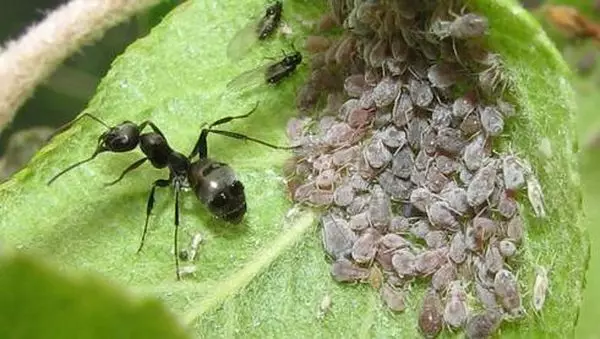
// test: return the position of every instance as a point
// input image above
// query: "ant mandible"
(214, 183)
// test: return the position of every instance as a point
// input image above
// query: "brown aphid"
(403, 262)
(359, 222)
(507, 248)
(354, 85)
(402, 163)
(486, 297)
(456, 310)
(398, 48)
(450, 140)
(493, 259)
(327, 22)
(491, 121)
(392, 298)
(339, 134)
(307, 97)
(440, 216)
(375, 277)
(343, 270)
(507, 206)
(376, 154)
(463, 106)
(457, 251)
(515, 228)
(337, 236)
(360, 117)
(426, 263)
(471, 124)
(316, 43)
(475, 153)
(430, 317)
(379, 209)
(386, 91)
(442, 277)
(365, 247)
(436, 239)
(420, 92)
(506, 288)
(345, 49)
(540, 288)
(482, 185)
(378, 54)
(442, 75)
(395, 187)
(483, 325)
(403, 110)
(343, 195)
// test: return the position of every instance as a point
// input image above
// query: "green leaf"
(38, 303)
(268, 277)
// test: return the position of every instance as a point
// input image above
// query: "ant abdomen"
(121, 138)
(156, 148)
(217, 187)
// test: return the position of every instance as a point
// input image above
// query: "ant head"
(121, 138)
(217, 187)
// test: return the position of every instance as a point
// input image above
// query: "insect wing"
(242, 41)
(251, 78)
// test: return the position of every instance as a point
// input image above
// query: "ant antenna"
(99, 150)
(72, 122)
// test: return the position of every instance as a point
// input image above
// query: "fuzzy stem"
(32, 58)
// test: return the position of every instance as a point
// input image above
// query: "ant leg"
(150, 206)
(245, 137)
(130, 168)
(176, 235)
(200, 147)
(72, 122)
(99, 150)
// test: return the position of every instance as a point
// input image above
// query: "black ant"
(214, 183)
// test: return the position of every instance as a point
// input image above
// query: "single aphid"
(394, 241)
(456, 197)
(354, 85)
(338, 238)
(468, 26)
(376, 154)
(450, 140)
(343, 270)
(326, 179)
(493, 259)
(358, 205)
(324, 306)
(365, 247)
(379, 208)
(360, 117)
(399, 224)
(512, 172)
(507, 206)
(482, 185)
(443, 277)
(255, 31)
(343, 195)
(506, 288)
(399, 48)
(515, 229)
(403, 262)
(540, 288)
(393, 137)
(421, 198)
(386, 91)
(535, 196)
(441, 117)
(423, 160)
(471, 124)
(347, 107)
(271, 73)
(428, 140)
(442, 75)
(427, 262)
(345, 49)
(440, 216)
(436, 239)
(340, 134)
(414, 133)
(463, 106)
(435, 179)
(475, 153)
(323, 162)
(456, 311)
(420, 229)
(398, 189)
(393, 299)
(359, 222)
(431, 320)
(403, 110)
(345, 156)
(486, 297)
(492, 121)
(507, 248)
(483, 325)
(457, 251)
(402, 163)
(420, 92)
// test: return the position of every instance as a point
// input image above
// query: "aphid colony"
(401, 159)
(214, 183)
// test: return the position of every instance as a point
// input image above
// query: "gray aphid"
(422, 198)
(321, 197)
(393, 299)
(436, 239)
(507, 206)
(423, 160)
(443, 276)
(491, 121)
(403, 262)
(507, 248)
(463, 106)
(458, 248)
(397, 188)
(440, 216)
(379, 211)
(515, 228)
(326, 179)
(386, 91)
(354, 85)
(420, 92)
(343, 195)
(468, 26)
(456, 197)
(475, 153)
(414, 132)
(359, 222)
(340, 134)
(376, 154)
(402, 163)
(323, 162)
(450, 140)
(347, 107)
(482, 185)
(445, 164)
(540, 288)
(506, 288)
(456, 311)
(483, 325)
(403, 110)
(399, 224)
(394, 241)
(345, 156)
(535, 196)
(512, 171)
(429, 140)
(420, 229)
(337, 236)
(435, 179)
(493, 259)
(486, 297)
(365, 247)
(343, 270)
(393, 137)
(358, 205)
(426, 263)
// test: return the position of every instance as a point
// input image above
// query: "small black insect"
(255, 31)
(270, 73)
(214, 183)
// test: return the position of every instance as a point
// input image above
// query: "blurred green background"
(66, 93)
